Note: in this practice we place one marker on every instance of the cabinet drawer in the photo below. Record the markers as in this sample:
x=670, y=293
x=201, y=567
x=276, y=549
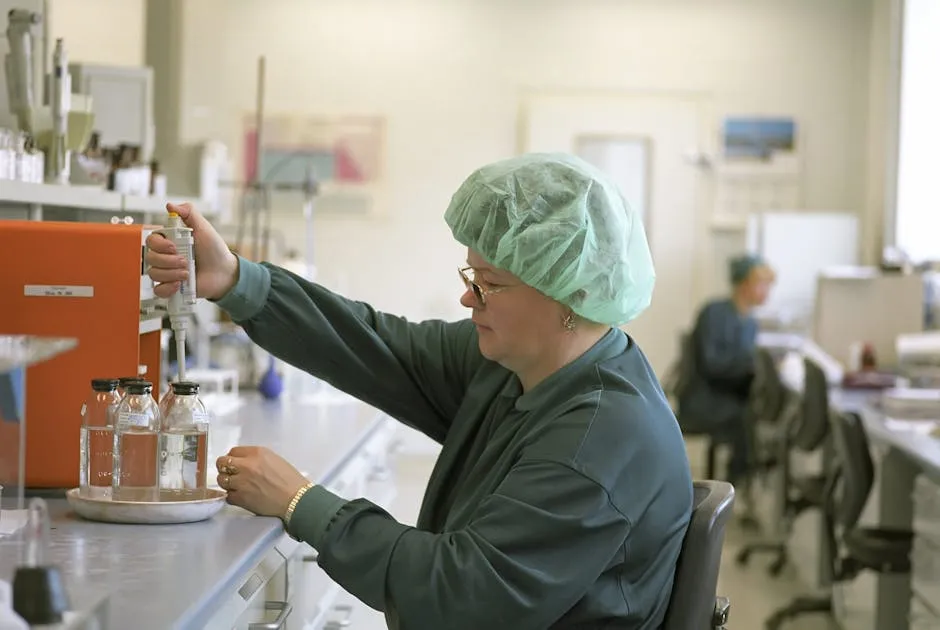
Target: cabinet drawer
x=925, y=568
x=260, y=597
x=926, y=499
x=922, y=615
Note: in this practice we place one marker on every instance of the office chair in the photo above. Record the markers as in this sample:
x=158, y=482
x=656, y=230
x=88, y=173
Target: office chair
x=883, y=550
x=693, y=604
x=769, y=400
x=806, y=430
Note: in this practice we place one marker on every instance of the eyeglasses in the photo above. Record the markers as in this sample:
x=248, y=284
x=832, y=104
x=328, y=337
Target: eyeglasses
x=478, y=291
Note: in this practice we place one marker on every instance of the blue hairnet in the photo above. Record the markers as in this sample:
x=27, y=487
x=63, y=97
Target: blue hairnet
x=740, y=267
x=562, y=227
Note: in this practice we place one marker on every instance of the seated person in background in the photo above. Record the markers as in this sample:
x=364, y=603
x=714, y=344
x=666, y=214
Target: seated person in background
x=724, y=344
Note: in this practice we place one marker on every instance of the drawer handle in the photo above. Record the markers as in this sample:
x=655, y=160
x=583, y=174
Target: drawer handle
x=336, y=624
x=284, y=608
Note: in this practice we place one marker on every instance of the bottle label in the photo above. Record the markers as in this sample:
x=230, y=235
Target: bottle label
x=133, y=419
x=200, y=418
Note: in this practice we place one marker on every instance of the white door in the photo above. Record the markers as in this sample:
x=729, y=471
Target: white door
x=641, y=141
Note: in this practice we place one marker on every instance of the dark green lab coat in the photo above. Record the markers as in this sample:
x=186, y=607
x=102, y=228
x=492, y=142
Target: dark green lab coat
x=563, y=507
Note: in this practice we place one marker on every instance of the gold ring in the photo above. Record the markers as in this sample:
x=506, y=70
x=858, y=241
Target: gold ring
x=228, y=468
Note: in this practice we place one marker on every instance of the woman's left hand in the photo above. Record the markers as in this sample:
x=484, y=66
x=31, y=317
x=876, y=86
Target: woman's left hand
x=259, y=480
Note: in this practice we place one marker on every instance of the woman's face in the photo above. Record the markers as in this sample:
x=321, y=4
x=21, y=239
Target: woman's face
x=517, y=323
x=756, y=287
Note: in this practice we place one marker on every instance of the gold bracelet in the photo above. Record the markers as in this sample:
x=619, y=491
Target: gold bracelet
x=293, y=503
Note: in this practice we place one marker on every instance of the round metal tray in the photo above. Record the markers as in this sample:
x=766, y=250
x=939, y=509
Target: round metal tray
x=171, y=509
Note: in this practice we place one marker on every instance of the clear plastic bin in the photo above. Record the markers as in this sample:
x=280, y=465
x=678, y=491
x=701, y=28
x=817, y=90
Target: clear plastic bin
x=17, y=353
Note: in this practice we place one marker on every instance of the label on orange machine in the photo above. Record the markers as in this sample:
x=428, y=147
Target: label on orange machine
x=50, y=290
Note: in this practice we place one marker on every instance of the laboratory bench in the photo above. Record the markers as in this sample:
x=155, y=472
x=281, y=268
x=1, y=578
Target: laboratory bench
x=235, y=570
x=906, y=495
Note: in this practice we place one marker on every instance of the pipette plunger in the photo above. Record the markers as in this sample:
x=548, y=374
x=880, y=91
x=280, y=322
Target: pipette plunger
x=181, y=304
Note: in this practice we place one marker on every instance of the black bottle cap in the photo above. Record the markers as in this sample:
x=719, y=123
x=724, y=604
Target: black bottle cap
x=39, y=595
x=139, y=387
x=185, y=388
x=105, y=384
x=124, y=380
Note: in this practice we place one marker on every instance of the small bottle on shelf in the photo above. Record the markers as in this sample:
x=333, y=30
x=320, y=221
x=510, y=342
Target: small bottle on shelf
x=97, y=438
x=136, y=473
x=184, y=442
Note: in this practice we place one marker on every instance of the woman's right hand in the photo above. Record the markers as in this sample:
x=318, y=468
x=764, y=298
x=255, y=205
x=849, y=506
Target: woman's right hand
x=216, y=265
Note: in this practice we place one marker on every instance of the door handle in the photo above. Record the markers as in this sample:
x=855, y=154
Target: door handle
x=284, y=608
x=344, y=622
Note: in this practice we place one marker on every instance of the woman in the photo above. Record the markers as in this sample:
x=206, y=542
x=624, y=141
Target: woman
x=724, y=345
x=562, y=491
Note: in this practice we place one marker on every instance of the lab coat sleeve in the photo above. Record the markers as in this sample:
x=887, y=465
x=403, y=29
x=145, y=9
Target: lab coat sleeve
x=415, y=372
x=723, y=355
x=530, y=553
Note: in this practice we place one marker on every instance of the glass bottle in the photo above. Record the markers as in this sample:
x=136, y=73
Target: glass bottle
x=166, y=400
x=136, y=474
x=97, y=438
x=184, y=442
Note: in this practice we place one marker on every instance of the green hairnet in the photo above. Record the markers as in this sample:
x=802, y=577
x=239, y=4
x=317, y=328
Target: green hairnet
x=740, y=267
x=562, y=227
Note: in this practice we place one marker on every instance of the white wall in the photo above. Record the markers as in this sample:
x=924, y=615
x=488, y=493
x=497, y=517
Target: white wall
x=448, y=77
x=100, y=31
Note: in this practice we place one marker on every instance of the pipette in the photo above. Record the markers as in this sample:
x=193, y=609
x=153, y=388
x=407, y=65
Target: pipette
x=180, y=304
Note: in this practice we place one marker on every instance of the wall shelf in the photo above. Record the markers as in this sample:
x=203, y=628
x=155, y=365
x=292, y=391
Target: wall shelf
x=83, y=198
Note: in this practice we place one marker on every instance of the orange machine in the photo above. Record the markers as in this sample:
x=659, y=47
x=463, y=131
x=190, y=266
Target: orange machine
x=80, y=280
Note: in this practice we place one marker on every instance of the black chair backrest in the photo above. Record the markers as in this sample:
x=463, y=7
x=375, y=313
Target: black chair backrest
x=682, y=372
x=814, y=422
x=856, y=472
x=692, y=603
x=771, y=391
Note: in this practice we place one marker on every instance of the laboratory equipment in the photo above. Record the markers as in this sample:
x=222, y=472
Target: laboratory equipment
x=181, y=305
x=39, y=594
x=58, y=163
x=102, y=298
x=126, y=95
x=169, y=510
x=97, y=443
x=863, y=305
x=799, y=245
x=184, y=442
x=16, y=353
x=136, y=472
x=61, y=125
x=19, y=64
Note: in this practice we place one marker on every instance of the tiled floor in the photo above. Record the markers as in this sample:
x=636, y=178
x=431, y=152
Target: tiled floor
x=753, y=594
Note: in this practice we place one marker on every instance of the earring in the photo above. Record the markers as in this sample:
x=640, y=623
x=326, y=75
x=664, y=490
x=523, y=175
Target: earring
x=568, y=322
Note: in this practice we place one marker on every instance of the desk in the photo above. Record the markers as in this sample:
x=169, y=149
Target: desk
x=902, y=460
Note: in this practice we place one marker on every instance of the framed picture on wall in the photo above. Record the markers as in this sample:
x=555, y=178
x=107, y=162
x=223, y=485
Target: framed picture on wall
x=344, y=155
x=760, y=139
